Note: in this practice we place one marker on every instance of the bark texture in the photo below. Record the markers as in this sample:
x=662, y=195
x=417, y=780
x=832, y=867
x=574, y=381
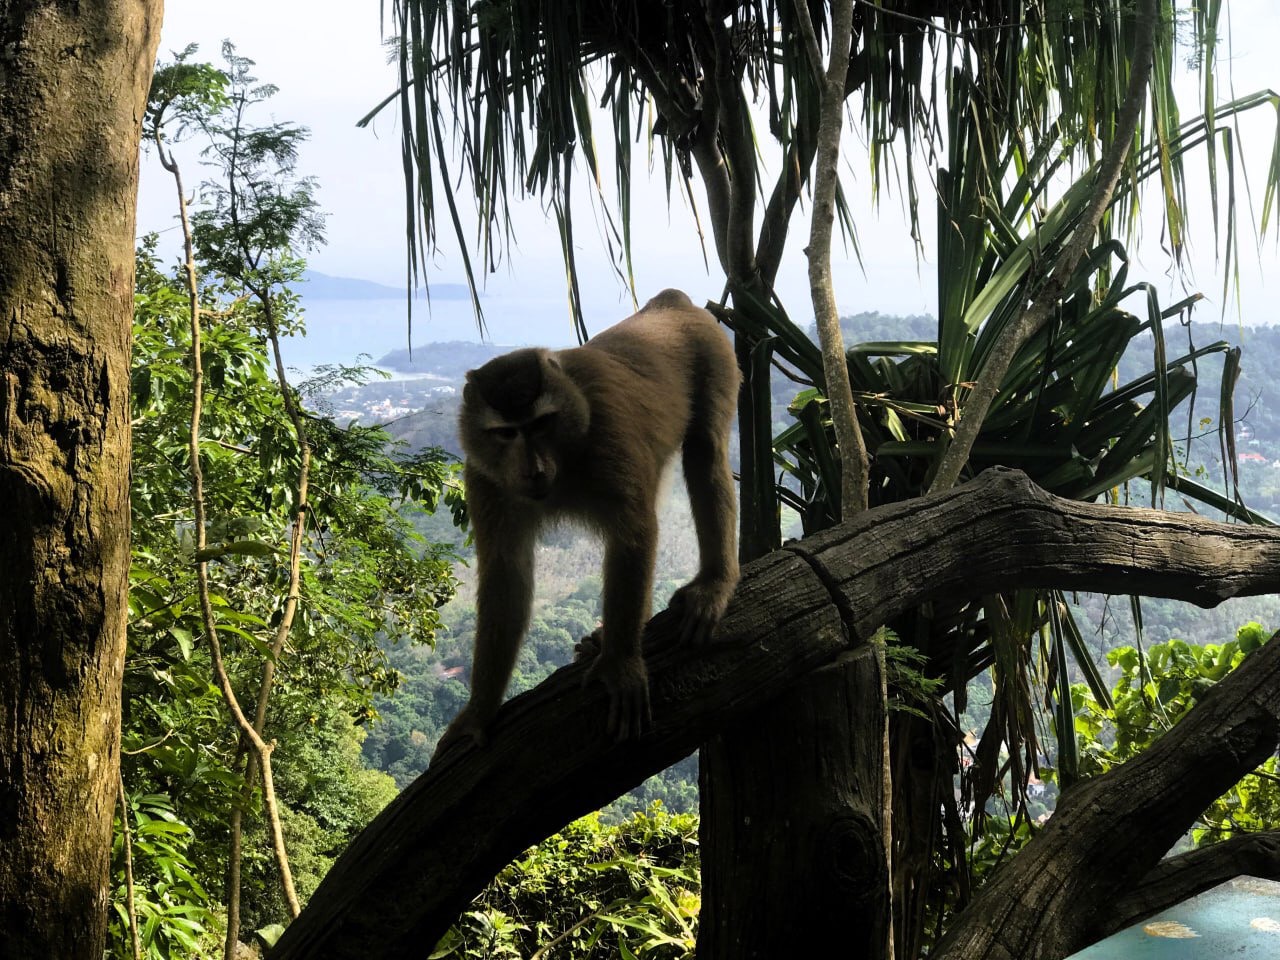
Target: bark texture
x=73, y=86
x=806, y=814
x=406, y=878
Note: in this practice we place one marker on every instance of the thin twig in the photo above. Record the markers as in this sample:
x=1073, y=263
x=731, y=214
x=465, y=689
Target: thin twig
x=150, y=746
x=127, y=842
x=923, y=21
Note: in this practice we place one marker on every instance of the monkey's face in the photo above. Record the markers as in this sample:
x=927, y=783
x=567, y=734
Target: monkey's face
x=520, y=416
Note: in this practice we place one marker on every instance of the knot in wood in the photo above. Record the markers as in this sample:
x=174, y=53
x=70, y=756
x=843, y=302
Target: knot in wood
x=854, y=847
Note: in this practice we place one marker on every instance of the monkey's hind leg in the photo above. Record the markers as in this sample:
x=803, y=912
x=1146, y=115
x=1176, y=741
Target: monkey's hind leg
x=701, y=603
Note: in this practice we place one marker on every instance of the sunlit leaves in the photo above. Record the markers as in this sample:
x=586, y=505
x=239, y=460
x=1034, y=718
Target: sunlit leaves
x=629, y=890
x=1157, y=688
x=366, y=576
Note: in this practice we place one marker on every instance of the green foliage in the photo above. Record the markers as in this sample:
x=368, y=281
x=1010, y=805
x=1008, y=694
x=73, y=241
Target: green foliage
x=183, y=92
x=257, y=214
x=629, y=890
x=367, y=578
x=365, y=570
x=1158, y=688
x=914, y=691
x=171, y=903
x=329, y=796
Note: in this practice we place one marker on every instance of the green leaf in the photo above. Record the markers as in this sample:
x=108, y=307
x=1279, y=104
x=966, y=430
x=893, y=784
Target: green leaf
x=184, y=638
x=268, y=935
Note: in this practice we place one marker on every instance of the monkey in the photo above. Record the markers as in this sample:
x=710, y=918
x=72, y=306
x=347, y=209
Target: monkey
x=586, y=434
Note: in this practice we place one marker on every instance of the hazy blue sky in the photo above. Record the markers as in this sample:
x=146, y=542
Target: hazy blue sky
x=327, y=58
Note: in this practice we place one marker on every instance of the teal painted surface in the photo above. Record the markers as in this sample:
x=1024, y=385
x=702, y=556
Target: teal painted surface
x=1239, y=919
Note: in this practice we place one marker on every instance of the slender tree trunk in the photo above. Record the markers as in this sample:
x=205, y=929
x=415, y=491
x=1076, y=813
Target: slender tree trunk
x=854, y=467
x=130, y=906
x=73, y=85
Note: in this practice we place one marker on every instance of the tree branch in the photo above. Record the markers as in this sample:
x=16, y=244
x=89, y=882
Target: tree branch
x=407, y=877
x=1108, y=832
x=739, y=150
x=782, y=201
x=854, y=467
x=700, y=126
x=1178, y=878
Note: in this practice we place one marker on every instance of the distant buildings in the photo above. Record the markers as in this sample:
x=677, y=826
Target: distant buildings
x=377, y=403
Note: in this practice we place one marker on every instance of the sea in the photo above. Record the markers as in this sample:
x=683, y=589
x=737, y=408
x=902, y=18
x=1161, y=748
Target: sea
x=364, y=331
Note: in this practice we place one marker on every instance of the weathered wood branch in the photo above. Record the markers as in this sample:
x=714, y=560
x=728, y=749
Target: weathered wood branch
x=1176, y=879
x=406, y=878
x=1108, y=833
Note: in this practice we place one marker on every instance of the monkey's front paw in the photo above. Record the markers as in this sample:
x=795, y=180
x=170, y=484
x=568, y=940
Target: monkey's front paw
x=627, y=682
x=701, y=605
x=589, y=647
x=467, y=725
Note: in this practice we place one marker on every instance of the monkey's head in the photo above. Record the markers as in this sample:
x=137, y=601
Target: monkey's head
x=521, y=416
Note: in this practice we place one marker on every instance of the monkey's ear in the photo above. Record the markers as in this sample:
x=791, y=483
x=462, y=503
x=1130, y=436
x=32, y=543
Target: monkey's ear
x=552, y=362
x=471, y=376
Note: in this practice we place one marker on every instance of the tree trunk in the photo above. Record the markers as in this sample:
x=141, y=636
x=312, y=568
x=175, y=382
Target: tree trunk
x=806, y=815
x=73, y=83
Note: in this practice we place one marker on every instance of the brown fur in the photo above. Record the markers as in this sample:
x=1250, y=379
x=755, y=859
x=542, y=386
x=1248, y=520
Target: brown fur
x=586, y=434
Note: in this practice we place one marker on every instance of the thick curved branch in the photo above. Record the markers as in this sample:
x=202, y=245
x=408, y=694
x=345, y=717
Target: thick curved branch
x=718, y=185
x=782, y=202
x=699, y=124
x=738, y=144
x=407, y=877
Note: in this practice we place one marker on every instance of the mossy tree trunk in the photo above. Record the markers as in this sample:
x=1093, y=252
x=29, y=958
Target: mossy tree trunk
x=73, y=87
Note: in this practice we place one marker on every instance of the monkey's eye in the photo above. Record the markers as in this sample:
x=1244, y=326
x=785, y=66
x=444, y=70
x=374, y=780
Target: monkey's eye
x=503, y=433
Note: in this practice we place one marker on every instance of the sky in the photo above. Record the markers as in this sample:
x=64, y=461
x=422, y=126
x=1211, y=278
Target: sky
x=328, y=60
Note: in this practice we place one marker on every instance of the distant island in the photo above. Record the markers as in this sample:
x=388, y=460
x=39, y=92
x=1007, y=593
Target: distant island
x=448, y=360
x=321, y=286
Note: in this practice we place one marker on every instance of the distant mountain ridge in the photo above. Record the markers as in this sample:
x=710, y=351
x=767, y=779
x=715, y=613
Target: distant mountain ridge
x=322, y=286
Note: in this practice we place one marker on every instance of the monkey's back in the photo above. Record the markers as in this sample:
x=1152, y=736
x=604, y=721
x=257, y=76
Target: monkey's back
x=651, y=379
